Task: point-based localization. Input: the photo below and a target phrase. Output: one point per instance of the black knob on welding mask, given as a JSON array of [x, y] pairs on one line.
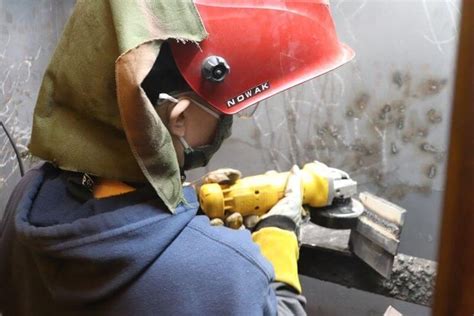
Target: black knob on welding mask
[[215, 68]]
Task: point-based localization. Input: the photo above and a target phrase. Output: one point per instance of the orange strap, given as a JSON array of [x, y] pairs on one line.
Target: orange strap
[[104, 188]]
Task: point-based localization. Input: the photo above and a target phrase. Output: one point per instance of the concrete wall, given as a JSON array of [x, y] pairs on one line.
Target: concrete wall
[[29, 31], [384, 117]]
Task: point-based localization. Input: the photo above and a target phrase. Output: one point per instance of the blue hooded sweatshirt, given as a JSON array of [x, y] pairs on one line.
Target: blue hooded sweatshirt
[[123, 255]]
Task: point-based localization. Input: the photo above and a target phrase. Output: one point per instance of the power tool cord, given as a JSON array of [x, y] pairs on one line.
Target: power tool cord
[[20, 162]]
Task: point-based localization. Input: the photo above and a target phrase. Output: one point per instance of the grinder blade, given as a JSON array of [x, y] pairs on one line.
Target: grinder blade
[[342, 214]]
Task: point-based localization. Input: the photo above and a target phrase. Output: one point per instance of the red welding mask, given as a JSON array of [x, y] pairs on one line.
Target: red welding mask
[[257, 48]]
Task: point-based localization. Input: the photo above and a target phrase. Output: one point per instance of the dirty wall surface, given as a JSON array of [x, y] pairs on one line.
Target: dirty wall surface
[[29, 31], [383, 118]]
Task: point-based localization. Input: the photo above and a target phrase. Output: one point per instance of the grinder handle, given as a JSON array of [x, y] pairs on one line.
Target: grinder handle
[[256, 195]]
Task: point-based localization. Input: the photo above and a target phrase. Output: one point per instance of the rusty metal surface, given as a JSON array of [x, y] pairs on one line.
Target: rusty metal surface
[[325, 256]]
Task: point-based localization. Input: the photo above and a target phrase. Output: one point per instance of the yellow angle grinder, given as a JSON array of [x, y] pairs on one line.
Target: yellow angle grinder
[[327, 192]]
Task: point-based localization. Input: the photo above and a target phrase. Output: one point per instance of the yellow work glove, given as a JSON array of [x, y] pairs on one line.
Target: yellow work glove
[[276, 232]]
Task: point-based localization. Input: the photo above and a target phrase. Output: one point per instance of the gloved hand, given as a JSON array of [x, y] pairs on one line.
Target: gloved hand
[[290, 204], [329, 172], [289, 207], [276, 232], [225, 176]]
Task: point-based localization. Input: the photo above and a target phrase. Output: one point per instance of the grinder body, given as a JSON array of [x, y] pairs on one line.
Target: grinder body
[[256, 195]]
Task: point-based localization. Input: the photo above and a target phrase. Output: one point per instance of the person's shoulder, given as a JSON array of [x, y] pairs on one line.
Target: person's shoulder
[[232, 246], [32, 178]]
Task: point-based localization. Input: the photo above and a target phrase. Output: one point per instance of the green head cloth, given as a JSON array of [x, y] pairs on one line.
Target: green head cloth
[[92, 114]]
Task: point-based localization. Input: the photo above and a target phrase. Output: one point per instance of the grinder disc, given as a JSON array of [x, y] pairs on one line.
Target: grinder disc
[[343, 214]]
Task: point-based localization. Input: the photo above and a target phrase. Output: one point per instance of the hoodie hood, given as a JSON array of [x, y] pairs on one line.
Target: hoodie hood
[[87, 251], [92, 115]]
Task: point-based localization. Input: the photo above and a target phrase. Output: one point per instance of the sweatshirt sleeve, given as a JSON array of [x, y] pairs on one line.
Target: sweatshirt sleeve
[[288, 301]]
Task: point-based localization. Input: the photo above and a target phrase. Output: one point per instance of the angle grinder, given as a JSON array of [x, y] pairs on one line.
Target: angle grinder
[[327, 195]]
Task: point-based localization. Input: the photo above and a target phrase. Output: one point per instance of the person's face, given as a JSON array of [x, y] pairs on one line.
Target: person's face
[[192, 121], [200, 126]]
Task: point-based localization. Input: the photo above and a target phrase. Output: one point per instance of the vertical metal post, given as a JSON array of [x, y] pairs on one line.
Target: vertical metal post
[[455, 283]]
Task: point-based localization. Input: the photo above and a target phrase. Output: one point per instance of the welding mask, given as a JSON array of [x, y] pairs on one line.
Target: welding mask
[[256, 49]]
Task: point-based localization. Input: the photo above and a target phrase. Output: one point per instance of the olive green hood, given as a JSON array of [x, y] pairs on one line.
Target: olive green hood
[[92, 114]]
